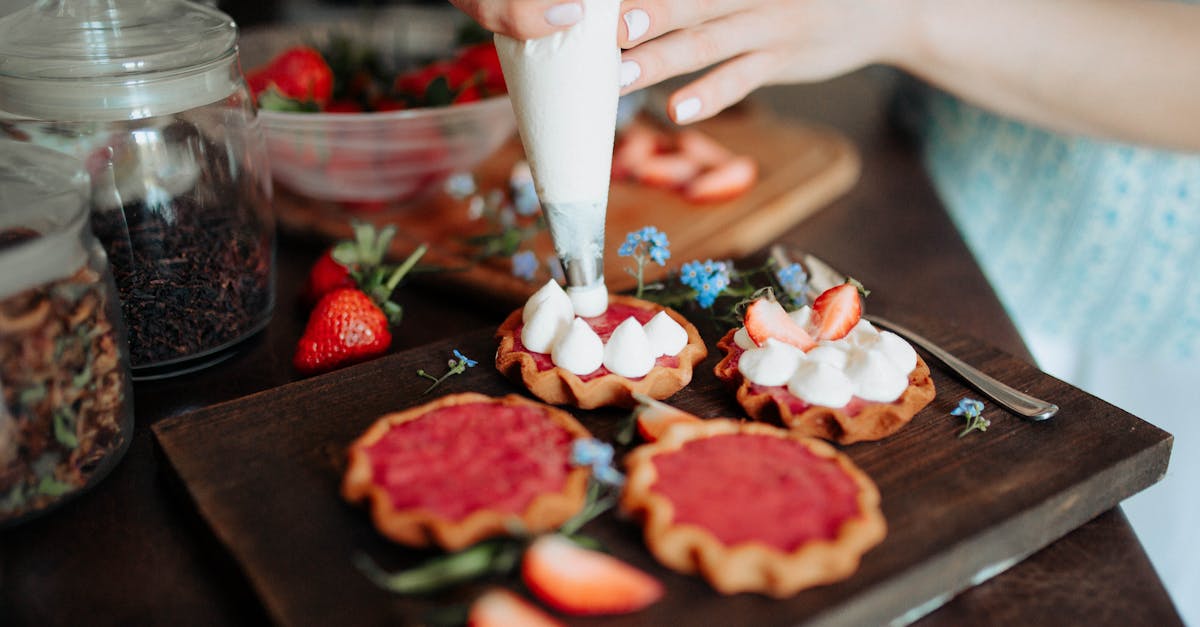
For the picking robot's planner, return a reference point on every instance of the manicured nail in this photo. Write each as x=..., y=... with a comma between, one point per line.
x=687, y=109
x=630, y=71
x=564, y=14
x=637, y=22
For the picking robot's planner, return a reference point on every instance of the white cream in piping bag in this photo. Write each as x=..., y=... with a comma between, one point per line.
x=551, y=327
x=564, y=90
x=868, y=363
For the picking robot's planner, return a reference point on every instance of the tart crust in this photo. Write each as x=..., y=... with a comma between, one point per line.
x=420, y=527
x=561, y=387
x=749, y=566
x=874, y=421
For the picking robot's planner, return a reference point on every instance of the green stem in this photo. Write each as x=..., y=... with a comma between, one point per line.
x=408, y=264
x=641, y=267
x=440, y=572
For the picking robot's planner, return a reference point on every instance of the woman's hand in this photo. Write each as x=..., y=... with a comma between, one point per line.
x=523, y=19
x=751, y=43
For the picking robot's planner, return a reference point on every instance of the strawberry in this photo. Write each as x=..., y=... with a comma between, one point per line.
x=325, y=276
x=638, y=143
x=470, y=93
x=669, y=170
x=343, y=106
x=345, y=327
x=701, y=148
x=766, y=318
x=348, y=261
x=352, y=324
x=579, y=581
x=299, y=73
x=655, y=417
x=837, y=310
x=722, y=182
x=500, y=608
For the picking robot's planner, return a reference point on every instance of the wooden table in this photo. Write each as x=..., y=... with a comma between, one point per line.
x=133, y=551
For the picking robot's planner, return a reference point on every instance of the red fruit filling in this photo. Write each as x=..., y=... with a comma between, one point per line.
x=785, y=496
x=460, y=459
x=603, y=325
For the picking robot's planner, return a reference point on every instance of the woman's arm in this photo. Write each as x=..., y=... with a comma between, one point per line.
x=1122, y=69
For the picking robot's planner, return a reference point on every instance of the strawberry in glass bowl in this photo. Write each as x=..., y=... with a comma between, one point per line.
x=376, y=114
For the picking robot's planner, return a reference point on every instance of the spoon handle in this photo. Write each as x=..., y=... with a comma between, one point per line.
x=1028, y=406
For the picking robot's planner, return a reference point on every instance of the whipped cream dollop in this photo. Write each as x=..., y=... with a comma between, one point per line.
x=552, y=327
x=580, y=349
x=868, y=363
x=666, y=336
x=628, y=352
x=589, y=301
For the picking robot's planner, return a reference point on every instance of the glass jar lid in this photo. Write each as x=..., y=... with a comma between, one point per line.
x=114, y=59
x=43, y=194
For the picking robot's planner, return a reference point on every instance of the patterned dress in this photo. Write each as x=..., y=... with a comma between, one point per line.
x=1094, y=249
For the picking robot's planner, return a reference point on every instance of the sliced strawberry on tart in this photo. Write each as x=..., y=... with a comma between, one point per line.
x=631, y=346
x=824, y=371
x=467, y=467
x=752, y=507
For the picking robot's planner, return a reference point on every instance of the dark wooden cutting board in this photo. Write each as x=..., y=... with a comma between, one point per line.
x=264, y=472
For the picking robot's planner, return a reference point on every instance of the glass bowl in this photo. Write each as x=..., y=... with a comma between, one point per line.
x=392, y=156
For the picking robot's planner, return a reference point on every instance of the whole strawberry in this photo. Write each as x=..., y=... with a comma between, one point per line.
x=346, y=327
x=326, y=276
x=353, y=324
x=348, y=263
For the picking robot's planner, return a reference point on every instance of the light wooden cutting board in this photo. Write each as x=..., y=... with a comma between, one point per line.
x=801, y=169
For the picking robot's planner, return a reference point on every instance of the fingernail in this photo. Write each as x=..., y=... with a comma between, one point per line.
x=687, y=109
x=630, y=71
x=637, y=22
x=564, y=14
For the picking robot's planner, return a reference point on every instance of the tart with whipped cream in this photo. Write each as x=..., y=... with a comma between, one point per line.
x=630, y=346
x=467, y=467
x=824, y=371
x=752, y=507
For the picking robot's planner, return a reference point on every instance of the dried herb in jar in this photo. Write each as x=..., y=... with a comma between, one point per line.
x=63, y=383
x=193, y=269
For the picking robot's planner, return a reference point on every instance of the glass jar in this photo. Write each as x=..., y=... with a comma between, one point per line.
x=149, y=95
x=67, y=411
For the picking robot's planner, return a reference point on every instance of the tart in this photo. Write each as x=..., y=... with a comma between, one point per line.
x=752, y=507
x=857, y=421
x=824, y=371
x=557, y=385
x=467, y=467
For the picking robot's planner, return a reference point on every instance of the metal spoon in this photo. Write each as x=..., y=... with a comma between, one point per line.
x=822, y=276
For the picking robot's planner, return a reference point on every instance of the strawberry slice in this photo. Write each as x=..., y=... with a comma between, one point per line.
x=638, y=143
x=837, y=310
x=701, y=148
x=667, y=170
x=655, y=417
x=582, y=582
x=766, y=318
x=725, y=181
x=500, y=608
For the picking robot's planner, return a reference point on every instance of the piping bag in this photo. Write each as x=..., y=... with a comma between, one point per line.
x=564, y=89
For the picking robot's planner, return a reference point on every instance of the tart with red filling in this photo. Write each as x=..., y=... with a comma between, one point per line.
x=467, y=467
x=830, y=341
x=600, y=387
x=751, y=507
